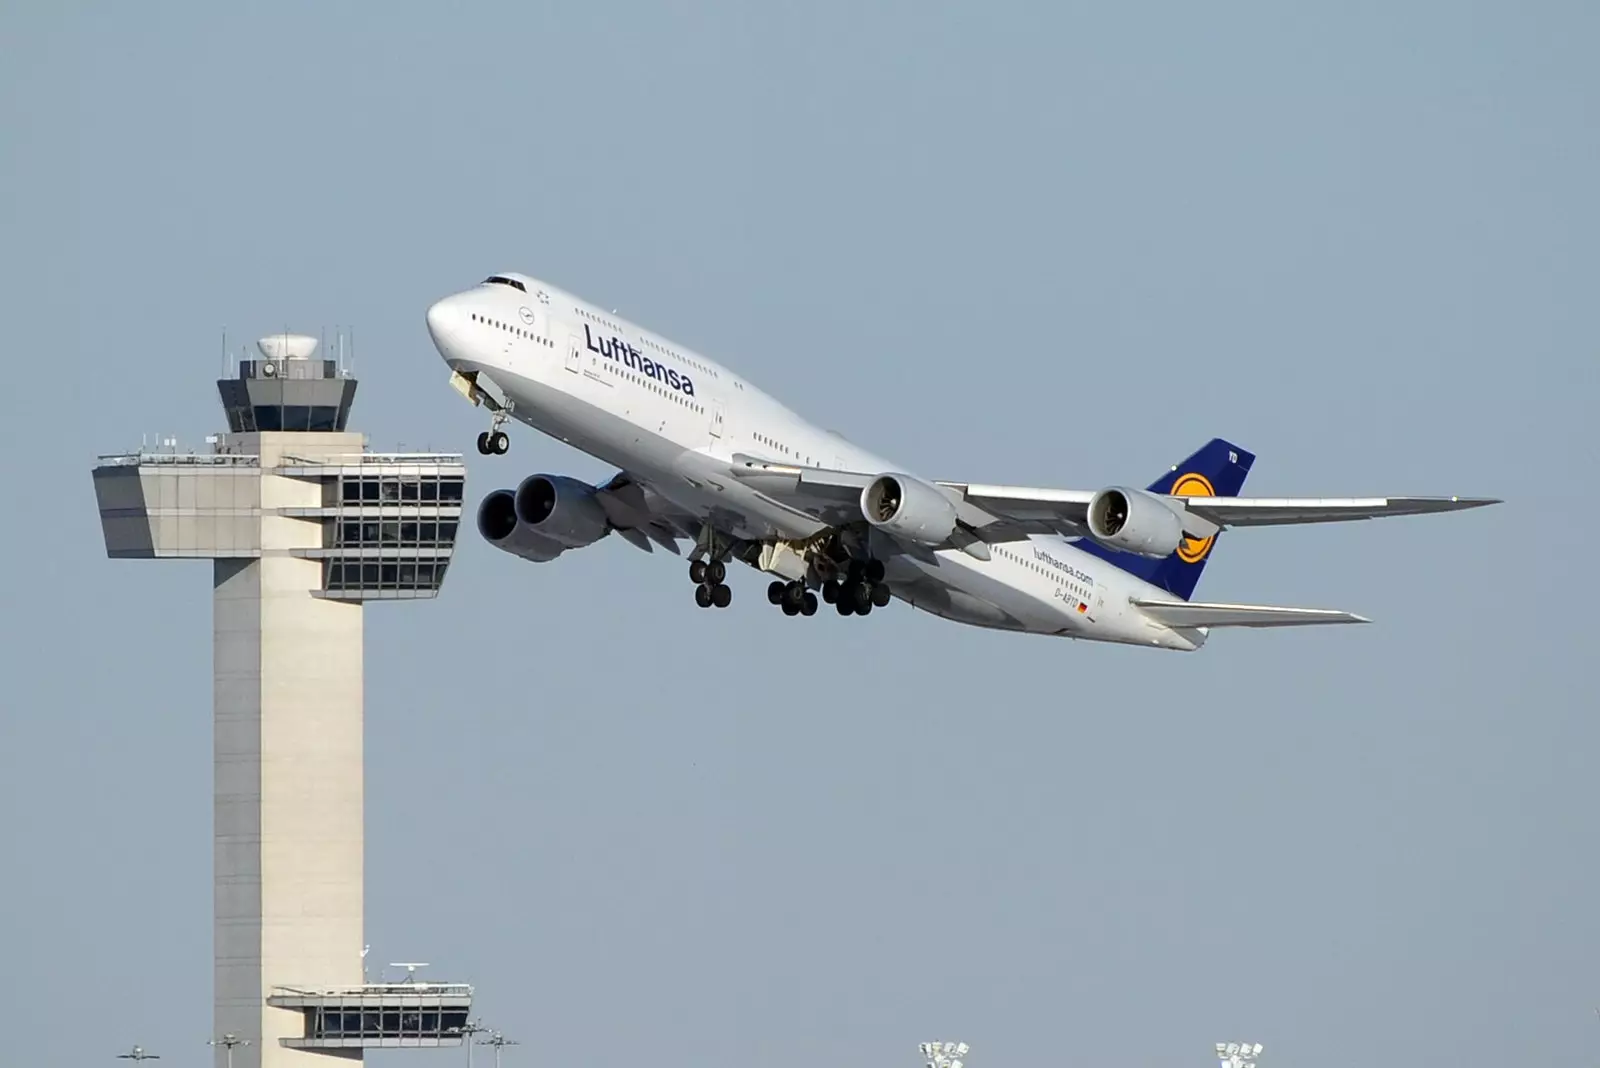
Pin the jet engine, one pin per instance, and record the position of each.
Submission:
(909, 508)
(1134, 521)
(497, 522)
(560, 509)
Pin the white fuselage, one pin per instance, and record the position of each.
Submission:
(675, 420)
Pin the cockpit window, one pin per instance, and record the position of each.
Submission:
(495, 279)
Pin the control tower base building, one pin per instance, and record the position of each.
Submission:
(303, 527)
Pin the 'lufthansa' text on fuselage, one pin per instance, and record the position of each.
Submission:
(617, 349)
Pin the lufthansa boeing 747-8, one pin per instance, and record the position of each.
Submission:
(706, 457)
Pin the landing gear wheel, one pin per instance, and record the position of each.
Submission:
(483, 444)
(880, 595)
(498, 443)
(697, 572)
(830, 592)
(860, 597)
(775, 592)
(721, 595)
(873, 571)
(790, 608)
(844, 607)
(702, 596)
(715, 572)
(808, 605)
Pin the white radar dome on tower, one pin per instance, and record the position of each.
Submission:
(287, 347)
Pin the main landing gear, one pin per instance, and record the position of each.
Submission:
(793, 598)
(861, 591)
(710, 591)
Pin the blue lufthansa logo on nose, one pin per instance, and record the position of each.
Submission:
(617, 349)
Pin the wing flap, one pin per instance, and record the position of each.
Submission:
(1200, 614)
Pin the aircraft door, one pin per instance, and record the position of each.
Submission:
(574, 353)
(716, 419)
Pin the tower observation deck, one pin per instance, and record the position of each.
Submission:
(303, 526)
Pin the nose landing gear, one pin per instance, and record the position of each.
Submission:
(493, 442)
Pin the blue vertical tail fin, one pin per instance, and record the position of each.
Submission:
(1217, 469)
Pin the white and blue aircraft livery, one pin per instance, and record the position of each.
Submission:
(706, 457)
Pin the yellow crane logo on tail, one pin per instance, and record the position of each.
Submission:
(1193, 550)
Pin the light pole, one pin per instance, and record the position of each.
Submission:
(229, 1040)
(1237, 1054)
(499, 1042)
(466, 1031)
(944, 1054)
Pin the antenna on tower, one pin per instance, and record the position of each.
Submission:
(410, 967)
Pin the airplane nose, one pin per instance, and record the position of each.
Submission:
(444, 322)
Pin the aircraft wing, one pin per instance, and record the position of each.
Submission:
(1010, 513)
(998, 513)
(1271, 511)
(1198, 614)
(1065, 511)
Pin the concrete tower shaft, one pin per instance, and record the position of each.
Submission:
(303, 526)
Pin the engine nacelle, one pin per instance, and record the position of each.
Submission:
(497, 522)
(563, 510)
(1134, 521)
(909, 508)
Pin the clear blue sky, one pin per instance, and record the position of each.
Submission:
(1051, 244)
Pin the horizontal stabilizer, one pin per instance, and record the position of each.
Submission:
(1194, 614)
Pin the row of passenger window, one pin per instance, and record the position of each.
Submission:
(1078, 591)
(653, 386)
(384, 575)
(526, 335)
(762, 439)
(369, 488)
(665, 350)
(394, 532)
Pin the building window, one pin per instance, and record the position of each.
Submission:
(377, 576)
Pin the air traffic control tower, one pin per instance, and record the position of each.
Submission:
(303, 526)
